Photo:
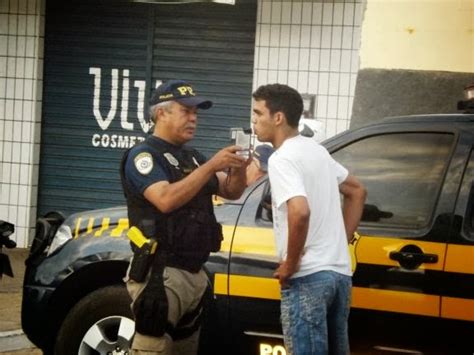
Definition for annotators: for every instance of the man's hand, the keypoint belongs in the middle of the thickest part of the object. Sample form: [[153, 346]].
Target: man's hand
[[284, 272], [227, 158], [298, 222], [232, 183]]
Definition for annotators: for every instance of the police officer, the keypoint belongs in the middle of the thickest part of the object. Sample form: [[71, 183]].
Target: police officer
[[169, 188]]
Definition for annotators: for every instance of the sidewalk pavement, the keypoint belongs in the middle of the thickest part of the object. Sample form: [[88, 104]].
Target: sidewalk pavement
[[12, 339]]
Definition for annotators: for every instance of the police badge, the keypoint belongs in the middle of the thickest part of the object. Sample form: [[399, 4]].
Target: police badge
[[144, 163], [171, 159]]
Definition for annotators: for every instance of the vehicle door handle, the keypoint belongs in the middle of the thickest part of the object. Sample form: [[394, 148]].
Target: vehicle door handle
[[416, 258]]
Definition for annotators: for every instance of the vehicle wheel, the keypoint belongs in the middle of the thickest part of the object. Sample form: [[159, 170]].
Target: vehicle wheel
[[100, 323]]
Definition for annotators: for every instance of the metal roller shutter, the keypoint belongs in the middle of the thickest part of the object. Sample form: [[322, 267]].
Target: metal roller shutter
[[211, 46], [102, 60]]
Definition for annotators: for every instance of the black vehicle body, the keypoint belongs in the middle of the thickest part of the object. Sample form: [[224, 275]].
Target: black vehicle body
[[408, 260]]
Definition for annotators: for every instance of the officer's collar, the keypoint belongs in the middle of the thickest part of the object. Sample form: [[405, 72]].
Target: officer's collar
[[164, 143]]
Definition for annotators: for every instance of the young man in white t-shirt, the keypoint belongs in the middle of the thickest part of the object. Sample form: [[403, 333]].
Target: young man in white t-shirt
[[311, 228]]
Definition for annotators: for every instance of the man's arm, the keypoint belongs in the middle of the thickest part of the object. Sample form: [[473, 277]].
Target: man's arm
[[298, 223], [354, 194], [169, 196]]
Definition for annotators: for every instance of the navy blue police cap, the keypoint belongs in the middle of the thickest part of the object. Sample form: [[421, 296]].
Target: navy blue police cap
[[180, 91]]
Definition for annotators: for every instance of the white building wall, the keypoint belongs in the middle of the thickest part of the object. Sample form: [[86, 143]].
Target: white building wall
[[313, 46], [21, 63], [419, 35]]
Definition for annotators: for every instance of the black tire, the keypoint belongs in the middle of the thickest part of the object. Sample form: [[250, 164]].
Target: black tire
[[99, 316]]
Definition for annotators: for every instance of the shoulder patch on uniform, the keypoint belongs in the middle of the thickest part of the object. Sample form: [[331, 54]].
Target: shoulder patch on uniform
[[144, 163], [171, 159]]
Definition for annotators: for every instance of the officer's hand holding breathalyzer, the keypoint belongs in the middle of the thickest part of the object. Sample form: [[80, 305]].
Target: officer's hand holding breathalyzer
[[243, 139], [228, 158]]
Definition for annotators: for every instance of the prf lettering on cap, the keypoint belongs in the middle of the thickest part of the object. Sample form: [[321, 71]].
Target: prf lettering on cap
[[186, 90]]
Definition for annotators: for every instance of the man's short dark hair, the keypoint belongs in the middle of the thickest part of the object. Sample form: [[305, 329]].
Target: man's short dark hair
[[281, 98]]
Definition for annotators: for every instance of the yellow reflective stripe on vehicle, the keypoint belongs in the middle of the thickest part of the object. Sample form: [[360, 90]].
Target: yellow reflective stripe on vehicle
[[90, 225], [227, 231], [457, 308], [376, 250], [103, 228], [395, 301], [251, 240], [78, 227], [367, 298], [247, 286], [460, 258], [121, 227]]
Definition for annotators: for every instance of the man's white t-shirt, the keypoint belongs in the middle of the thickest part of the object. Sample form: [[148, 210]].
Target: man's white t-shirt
[[302, 167]]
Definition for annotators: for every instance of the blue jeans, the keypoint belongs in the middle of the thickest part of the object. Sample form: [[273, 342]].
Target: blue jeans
[[314, 314]]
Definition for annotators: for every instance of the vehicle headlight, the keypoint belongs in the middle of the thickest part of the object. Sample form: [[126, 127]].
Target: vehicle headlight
[[62, 236]]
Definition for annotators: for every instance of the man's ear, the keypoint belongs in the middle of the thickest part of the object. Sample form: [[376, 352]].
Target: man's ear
[[159, 111], [279, 118]]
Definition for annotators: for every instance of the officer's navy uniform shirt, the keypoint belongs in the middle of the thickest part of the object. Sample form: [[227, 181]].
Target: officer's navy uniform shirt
[[138, 182]]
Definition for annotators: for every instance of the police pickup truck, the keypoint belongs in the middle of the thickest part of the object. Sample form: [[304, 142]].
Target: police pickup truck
[[414, 255]]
